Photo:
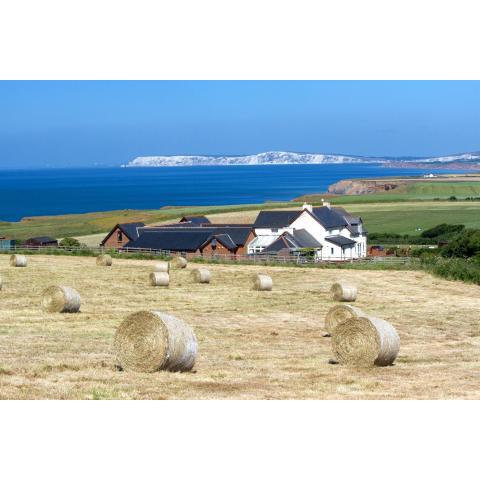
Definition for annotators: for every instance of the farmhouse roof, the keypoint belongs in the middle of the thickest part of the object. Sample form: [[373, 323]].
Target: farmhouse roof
[[329, 217], [340, 240], [305, 240], [276, 218], [300, 239]]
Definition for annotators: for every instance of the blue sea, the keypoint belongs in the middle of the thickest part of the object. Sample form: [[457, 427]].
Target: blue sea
[[60, 191]]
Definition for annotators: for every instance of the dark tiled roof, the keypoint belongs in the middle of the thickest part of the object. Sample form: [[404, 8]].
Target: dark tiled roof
[[282, 242], [300, 239], [330, 217], [305, 240], [180, 240], [225, 240], [340, 240], [41, 240], [275, 218], [239, 235], [130, 229]]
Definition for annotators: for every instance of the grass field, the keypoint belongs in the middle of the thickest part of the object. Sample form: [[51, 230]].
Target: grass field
[[254, 345], [60, 226], [412, 190], [392, 217]]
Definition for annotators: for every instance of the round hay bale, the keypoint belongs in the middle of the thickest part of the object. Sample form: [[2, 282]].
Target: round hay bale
[[365, 341], [104, 260], [262, 282], [61, 299], [18, 261], [178, 262], [162, 267], [159, 279], [343, 292], [149, 341], [201, 275], [339, 314]]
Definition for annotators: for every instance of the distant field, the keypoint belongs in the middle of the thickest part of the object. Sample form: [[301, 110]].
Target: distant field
[[405, 217], [252, 345], [385, 216], [408, 192], [60, 226]]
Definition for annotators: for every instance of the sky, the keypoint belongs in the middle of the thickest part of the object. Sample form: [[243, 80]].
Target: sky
[[47, 124]]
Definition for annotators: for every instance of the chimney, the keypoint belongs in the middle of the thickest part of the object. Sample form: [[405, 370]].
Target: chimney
[[325, 204], [308, 207]]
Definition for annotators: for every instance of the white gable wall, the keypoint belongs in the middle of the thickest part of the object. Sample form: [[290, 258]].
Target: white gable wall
[[305, 221]]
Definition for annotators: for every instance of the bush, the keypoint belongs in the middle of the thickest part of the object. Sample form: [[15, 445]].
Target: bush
[[466, 270], [466, 244], [69, 242], [443, 230]]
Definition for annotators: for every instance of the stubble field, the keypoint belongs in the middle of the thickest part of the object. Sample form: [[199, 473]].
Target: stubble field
[[252, 345]]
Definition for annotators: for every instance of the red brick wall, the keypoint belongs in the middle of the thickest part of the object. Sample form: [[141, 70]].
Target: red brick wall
[[112, 240], [244, 250], [220, 250]]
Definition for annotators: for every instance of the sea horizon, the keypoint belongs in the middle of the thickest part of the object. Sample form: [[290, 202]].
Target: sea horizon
[[63, 191]]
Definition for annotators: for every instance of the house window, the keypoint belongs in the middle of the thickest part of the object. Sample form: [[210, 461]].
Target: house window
[[214, 244], [119, 235], [274, 230], [332, 251]]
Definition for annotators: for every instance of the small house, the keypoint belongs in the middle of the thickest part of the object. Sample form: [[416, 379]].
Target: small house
[[337, 234]]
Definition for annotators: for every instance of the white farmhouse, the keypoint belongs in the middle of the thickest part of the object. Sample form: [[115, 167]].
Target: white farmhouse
[[330, 232]]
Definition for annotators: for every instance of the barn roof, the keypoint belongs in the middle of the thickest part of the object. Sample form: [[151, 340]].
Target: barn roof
[[130, 229], [224, 239], [180, 240], [41, 240], [239, 235]]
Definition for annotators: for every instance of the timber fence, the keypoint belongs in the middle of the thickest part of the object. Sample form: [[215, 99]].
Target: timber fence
[[221, 258]]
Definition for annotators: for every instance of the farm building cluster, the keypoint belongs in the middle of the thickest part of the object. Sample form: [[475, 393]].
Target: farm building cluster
[[324, 233]]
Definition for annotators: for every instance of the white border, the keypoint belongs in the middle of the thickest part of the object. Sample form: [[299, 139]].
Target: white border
[[231, 39]]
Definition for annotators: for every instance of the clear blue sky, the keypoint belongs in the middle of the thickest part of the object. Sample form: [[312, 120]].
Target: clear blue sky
[[65, 124]]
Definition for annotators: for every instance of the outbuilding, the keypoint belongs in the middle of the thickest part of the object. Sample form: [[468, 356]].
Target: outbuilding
[[41, 242], [121, 234]]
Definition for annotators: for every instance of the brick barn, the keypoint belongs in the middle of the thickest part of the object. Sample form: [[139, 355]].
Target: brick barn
[[121, 234]]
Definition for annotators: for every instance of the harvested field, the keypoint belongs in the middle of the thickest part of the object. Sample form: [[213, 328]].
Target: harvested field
[[252, 345]]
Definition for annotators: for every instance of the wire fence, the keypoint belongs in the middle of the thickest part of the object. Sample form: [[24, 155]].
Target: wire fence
[[297, 259]]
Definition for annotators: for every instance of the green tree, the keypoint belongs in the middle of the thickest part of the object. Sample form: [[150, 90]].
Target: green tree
[[465, 245], [69, 242]]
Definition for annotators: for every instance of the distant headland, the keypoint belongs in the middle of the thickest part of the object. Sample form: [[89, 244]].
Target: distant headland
[[460, 161]]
